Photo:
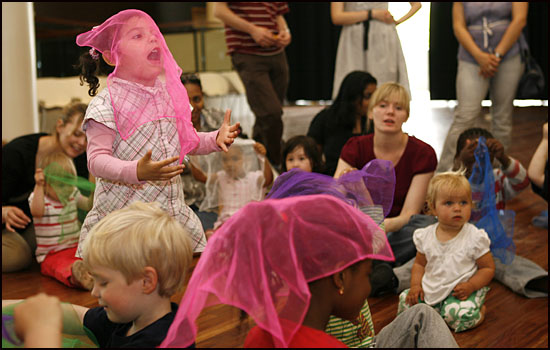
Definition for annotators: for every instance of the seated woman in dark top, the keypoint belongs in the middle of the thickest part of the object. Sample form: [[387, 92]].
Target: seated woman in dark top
[[19, 160], [414, 162], [346, 117]]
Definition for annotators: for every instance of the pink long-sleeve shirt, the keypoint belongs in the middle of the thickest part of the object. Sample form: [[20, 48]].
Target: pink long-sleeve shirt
[[101, 162]]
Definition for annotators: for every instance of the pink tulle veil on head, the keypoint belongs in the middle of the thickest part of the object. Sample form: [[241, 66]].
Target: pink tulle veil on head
[[145, 84], [263, 257]]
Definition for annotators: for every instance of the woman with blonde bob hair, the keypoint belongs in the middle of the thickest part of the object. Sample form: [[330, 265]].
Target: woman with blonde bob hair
[[414, 162]]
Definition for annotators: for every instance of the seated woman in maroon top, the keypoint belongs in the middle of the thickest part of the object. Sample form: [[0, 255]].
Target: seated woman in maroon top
[[414, 161]]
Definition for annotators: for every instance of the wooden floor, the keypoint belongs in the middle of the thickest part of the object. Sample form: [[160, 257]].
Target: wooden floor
[[511, 321]]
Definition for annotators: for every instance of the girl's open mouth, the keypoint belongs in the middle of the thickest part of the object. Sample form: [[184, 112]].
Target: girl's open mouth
[[154, 55]]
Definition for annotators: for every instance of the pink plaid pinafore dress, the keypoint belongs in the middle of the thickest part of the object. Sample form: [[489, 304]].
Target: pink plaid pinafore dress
[[159, 135]]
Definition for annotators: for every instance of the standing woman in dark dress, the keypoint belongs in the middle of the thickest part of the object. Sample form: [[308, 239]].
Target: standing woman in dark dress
[[346, 117], [20, 158]]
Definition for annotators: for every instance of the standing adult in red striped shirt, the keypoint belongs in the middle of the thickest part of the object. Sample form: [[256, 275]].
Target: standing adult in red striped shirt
[[256, 35]]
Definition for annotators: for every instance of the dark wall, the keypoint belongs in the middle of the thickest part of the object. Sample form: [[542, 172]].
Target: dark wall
[[442, 52], [312, 53], [444, 47], [100, 11], [537, 37], [57, 54]]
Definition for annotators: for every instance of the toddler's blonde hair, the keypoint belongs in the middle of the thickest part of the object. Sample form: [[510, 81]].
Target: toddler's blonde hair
[[141, 235], [390, 92], [65, 165], [448, 182]]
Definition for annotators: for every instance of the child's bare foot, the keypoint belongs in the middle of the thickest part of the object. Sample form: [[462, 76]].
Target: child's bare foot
[[80, 275], [482, 313]]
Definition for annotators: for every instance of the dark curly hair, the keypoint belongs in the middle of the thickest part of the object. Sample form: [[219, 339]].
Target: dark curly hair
[[310, 149], [469, 134], [89, 69]]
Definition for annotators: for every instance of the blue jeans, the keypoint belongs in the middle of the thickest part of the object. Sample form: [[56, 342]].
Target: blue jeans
[[207, 218], [401, 241]]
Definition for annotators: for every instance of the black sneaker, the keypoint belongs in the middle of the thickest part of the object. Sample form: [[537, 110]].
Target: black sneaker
[[382, 280], [538, 284]]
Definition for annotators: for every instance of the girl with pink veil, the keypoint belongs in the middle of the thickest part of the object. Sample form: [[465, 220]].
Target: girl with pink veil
[[291, 263], [139, 127]]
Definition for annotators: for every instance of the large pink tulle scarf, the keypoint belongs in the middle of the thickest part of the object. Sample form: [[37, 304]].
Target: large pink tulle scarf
[[262, 259], [130, 111]]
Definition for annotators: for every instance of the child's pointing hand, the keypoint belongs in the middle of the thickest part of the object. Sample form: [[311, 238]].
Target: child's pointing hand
[[227, 133]]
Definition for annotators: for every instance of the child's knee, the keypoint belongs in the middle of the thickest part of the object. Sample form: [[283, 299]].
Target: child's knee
[[462, 315], [16, 253], [17, 258]]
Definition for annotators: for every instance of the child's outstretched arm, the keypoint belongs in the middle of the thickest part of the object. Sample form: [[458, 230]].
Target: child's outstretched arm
[[268, 173], [466, 157], [514, 179], [39, 321], [227, 133], [102, 163], [497, 150], [483, 276], [417, 273], [197, 173], [85, 203], [37, 202], [342, 168]]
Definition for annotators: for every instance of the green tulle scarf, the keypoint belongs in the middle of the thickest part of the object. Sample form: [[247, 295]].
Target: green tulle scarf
[[65, 186], [74, 334]]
